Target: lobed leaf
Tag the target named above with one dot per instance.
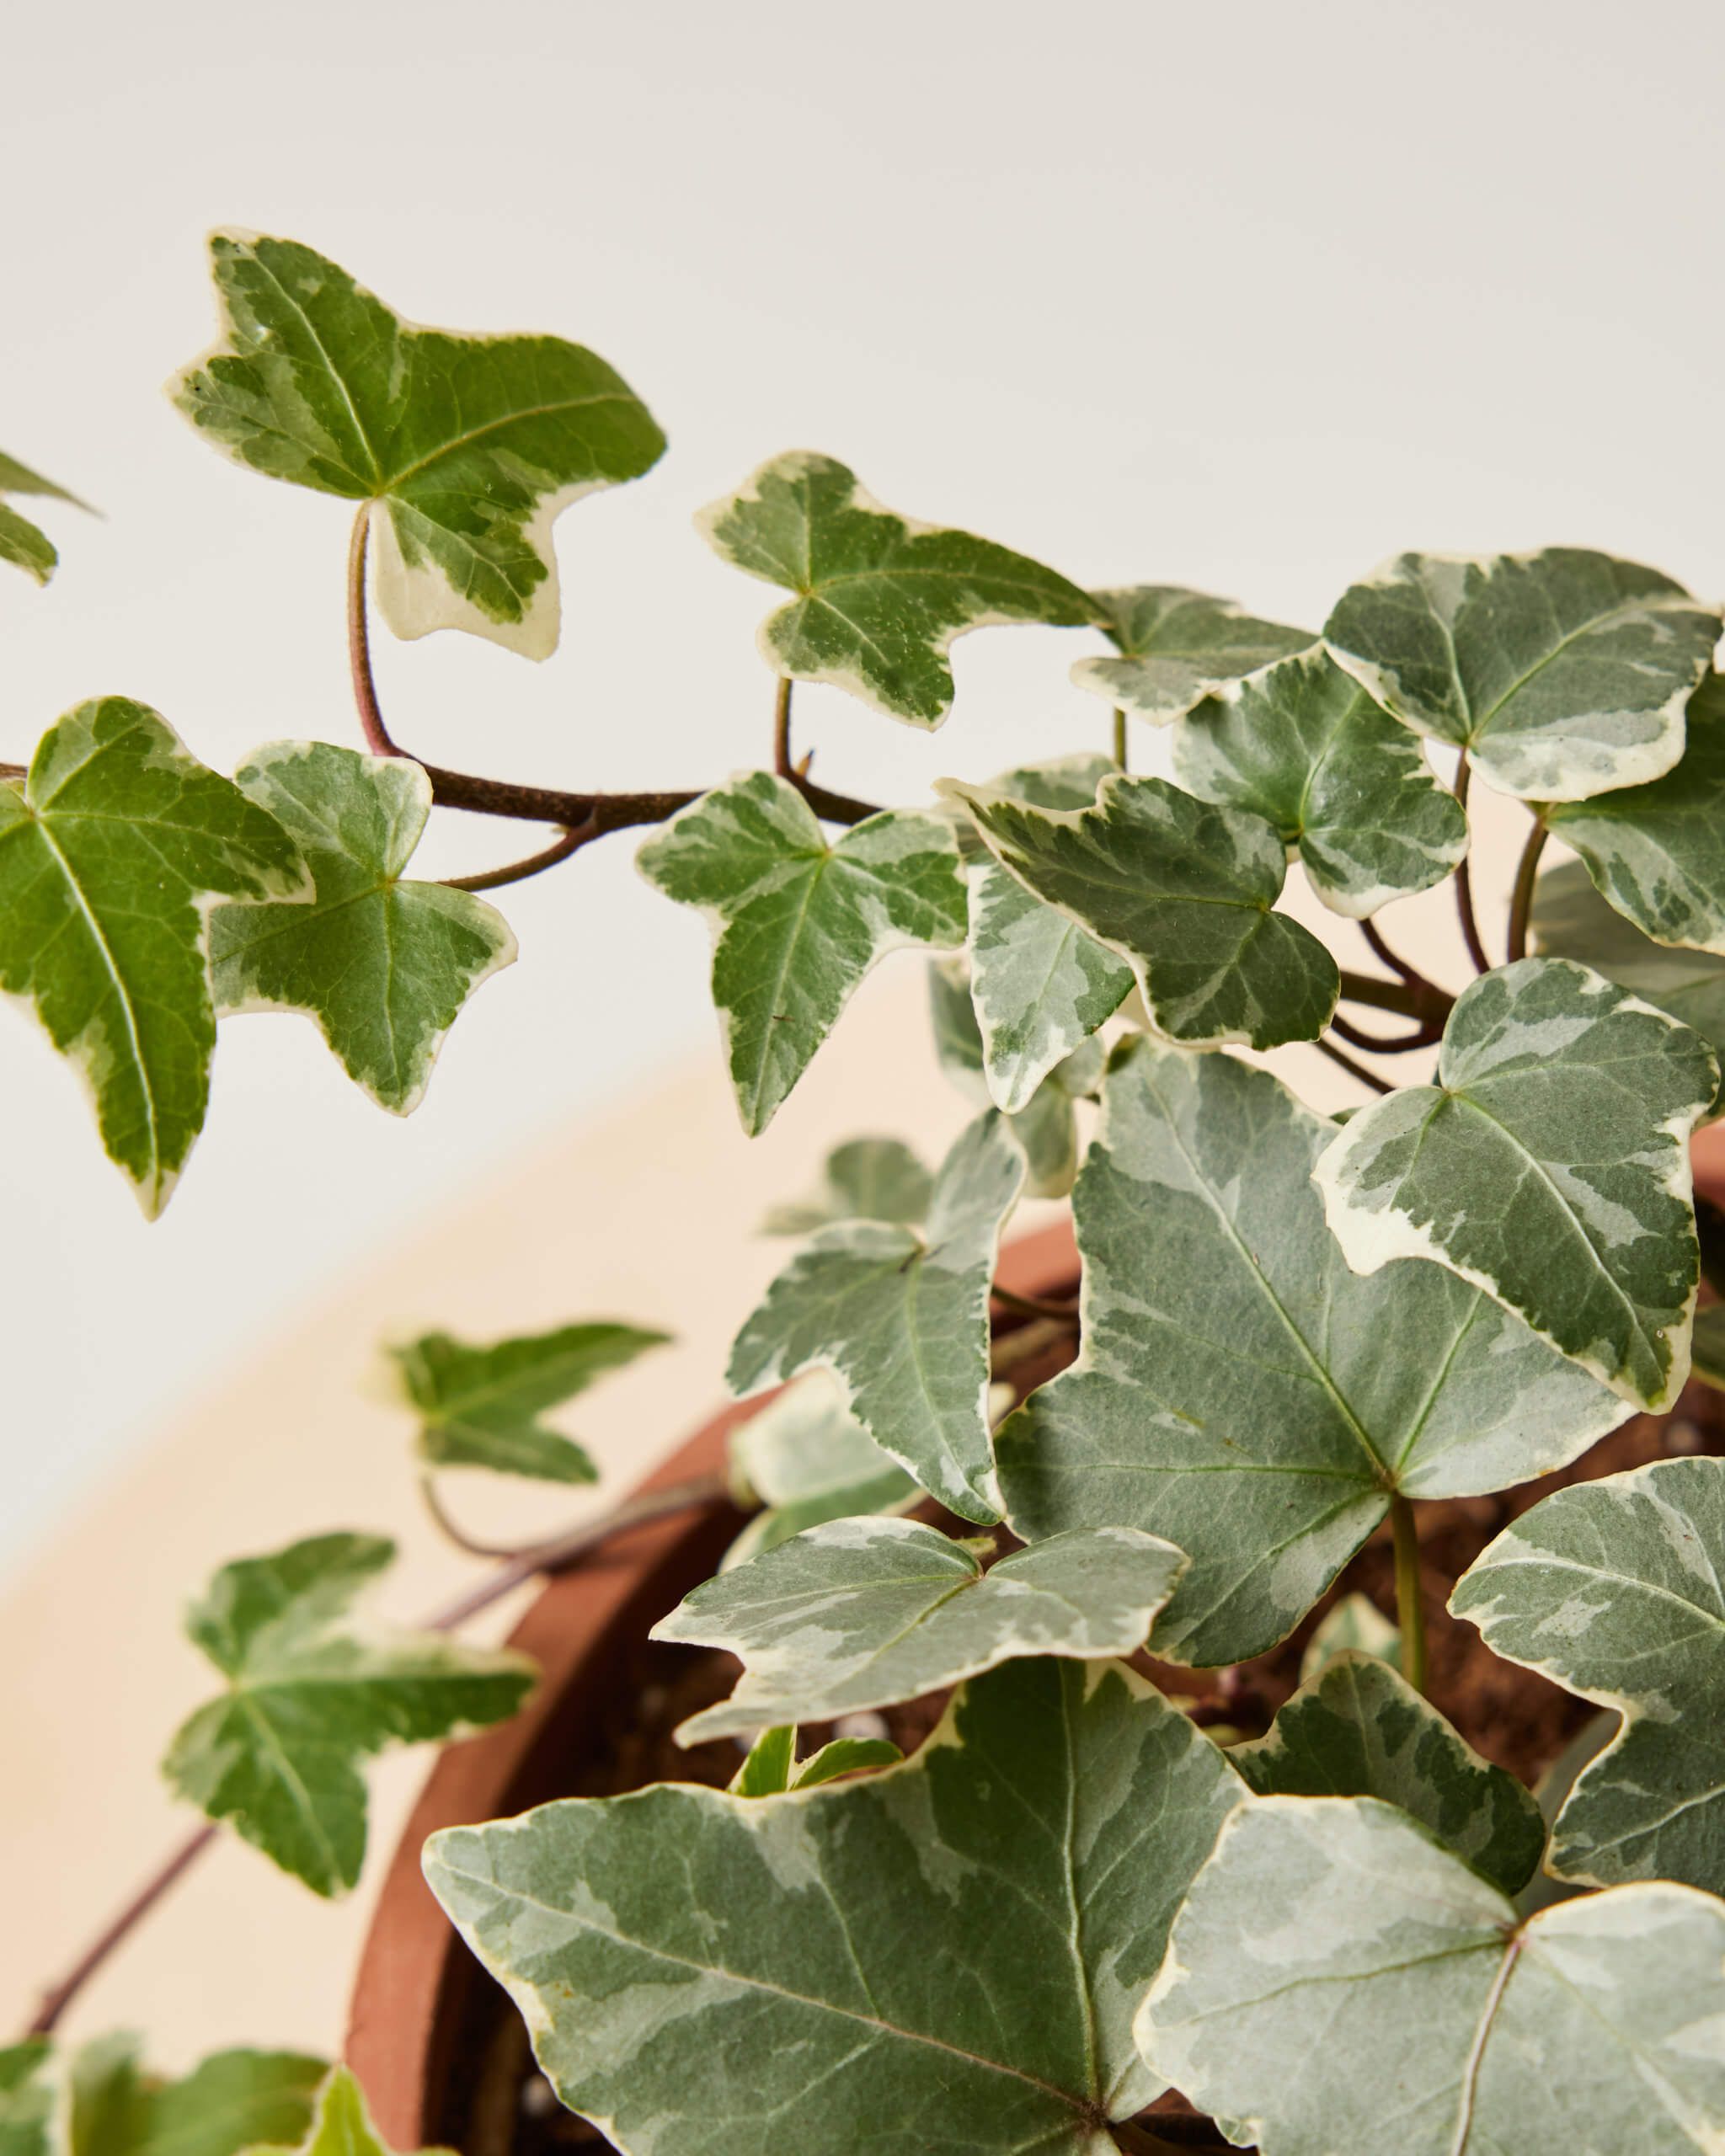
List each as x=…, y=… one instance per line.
x=805, y=1459
x=1046, y=1126
x=467, y=447
x=1177, y=648
x=1562, y=674
x=306, y=1700
x=879, y=598
x=383, y=967
x=340, y=2126
x=1549, y=1167
x=1612, y=1590
x=901, y=1318
x=1002, y=2027
x=112, y=850
x=27, y=2098
x=22, y=543
x=1233, y=1394
x=797, y=923
x=865, y=1613
x=864, y=1179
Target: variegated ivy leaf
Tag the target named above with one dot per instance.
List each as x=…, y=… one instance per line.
x=1303, y=746
x=22, y=543
x=864, y=1179
x=1360, y=1729
x=901, y=1317
x=1570, y=920
x=1177, y=648
x=896, y=1957
x=99, y=2100
x=1234, y=1395
x=797, y=922
x=1562, y=674
x=804, y=1458
x=1339, y=1985
x=308, y=1700
x=1548, y=1165
x=481, y=1406
x=1041, y=983
x=879, y=597
x=771, y=1767
x=1355, y=1625
x=112, y=853
x=1657, y=852
x=233, y=2100
x=467, y=447
x=867, y=1613
x=341, y=2125
x=27, y=2098
x=383, y=967
x=1612, y=1590
x=1181, y=889
x=1046, y=1126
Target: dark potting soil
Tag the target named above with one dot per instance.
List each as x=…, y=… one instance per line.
x=502, y=2106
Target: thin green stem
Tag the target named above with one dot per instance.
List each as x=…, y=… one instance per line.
x=1521, y=897
x=1120, y=739
x=1410, y=1606
x=782, y=729
x=1464, y=879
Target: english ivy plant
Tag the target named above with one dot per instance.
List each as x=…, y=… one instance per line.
x=1083, y=1762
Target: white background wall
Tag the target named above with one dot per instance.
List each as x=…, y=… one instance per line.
x=1243, y=295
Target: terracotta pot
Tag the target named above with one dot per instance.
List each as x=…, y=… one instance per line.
x=419, y=1995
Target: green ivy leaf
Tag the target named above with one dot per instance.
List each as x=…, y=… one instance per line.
x=1182, y=890
x=1046, y=1126
x=1708, y=1346
x=867, y=1613
x=899, y=1951
x=1177, y=648
x=902, y=1318
x=1657, y=852
x=804, y=1458
x=468, y=447
x=1548, y=1165
x=1233, y=1394
x=1360, y=1729
x=481, y=1407
x=771, y=1767
x=1570, y=920
x=1612, y=1590
x=232, y=2100
x=1353, y=1626
x=1303, y=746
x=27, y=2098
x=278, y=1753
x=112, y=853
x=1562, y=674
x=23, y=543
x=879, y=598
x=105, y=2105
x=99, y=2100
x=864, y=1179
x=798, y=923
x=846, y=1755
x=340, y=2126
x=1338, y=1985
x=383, y=967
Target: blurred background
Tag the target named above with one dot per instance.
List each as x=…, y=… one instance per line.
x=1242, y=297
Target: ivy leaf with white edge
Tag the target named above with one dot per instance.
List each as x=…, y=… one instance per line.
x=278, y=1753
x=383, y=967
x=1182, y=891
x=1612, y=1590
x=805, y=1459
x=879, y=597
x=798, y=922
x=340, y=2126
x=232, y=2100
x=1562, y=674
x=868, y=1613
x=480, y=1406
x=1338, y=1984
x=771, y=1767
x=1548, y=1166
x=1232, y=1394
x=1305, y=747
x=1570, y=920
x=901, y=1317
x=1355, y=1625
x=1177, y=647
x=467, y=447
x=1657, y=852
x=27, y=2098
x=1041, y=983
x=864, y=1179
x=1045, y=1128
x=112, y=850
x=899, y=1950
x=1360, y=1729
x=24, y=544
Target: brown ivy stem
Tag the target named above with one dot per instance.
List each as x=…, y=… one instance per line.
x=1380, y=949
x=1521, y=897
x=1032, y=1306
x=59, y=1996
x=1139, y=2141
x=1464, y=879
x=1410, y=1609
x=1380, y=1043
x=1422, y=1000
x=516, y=872
x=1354, y=1070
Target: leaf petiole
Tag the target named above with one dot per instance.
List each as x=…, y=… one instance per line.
x=1521, y=897
x=1410, y=1606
